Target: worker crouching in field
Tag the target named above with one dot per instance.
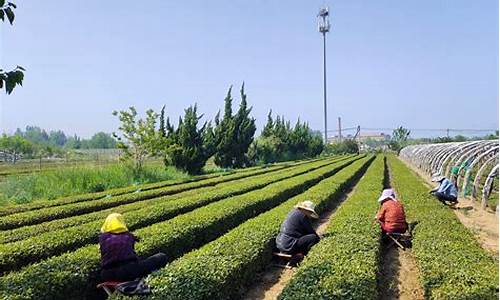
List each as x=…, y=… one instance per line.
x=119, y=262
x=391, y=214
x=297, y=235
x=446, y=191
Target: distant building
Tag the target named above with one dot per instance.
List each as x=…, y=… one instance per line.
x=367, y=136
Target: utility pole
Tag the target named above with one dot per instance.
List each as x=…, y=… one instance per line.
x=340, y=131
x=323, y=28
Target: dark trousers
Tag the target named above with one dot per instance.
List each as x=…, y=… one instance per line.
x=305, y=243
x=135, y=269
x=444, y=197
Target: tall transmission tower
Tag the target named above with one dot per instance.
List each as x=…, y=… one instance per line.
x=323, y=28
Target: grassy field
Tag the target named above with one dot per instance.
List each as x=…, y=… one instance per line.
x=72, y=180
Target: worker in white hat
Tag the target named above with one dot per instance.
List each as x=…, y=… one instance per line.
x=297, y=235
x=391, y=214
x=446, y=191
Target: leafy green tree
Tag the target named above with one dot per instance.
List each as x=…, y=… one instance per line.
x=9, y=79
x=186, y=148
x=57, y=138
x=280, y=142
x=340, y=148
x=16, y=145
x=102, y=140
x=73, y=142
x=399, y=138
x=35, y=135
x=139, y=138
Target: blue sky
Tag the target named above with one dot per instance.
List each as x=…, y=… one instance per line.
x=420, y=64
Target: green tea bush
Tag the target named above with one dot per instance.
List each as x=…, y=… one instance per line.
x=226, y=266
x=20, y=253
x=20, y=233
x=74, y=275
x=72, y=209
x=451, y=262
x=344, y=264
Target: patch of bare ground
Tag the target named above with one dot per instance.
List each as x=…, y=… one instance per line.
x=483, y=223
x=398, y=275
x=273, y=279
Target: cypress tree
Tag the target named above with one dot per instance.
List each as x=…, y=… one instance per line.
x=186, y=149
x=224, y=133
x=269, y=127
x=162, y=130
x=244, y=130
x=234, y=133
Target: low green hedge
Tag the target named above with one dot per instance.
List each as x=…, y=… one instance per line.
x=17, y=254
x=344, y=265
x=12, y=209
x=68, y=210
x=21, y=233
x=452, y=264
x=73, y=275
x=225, y=267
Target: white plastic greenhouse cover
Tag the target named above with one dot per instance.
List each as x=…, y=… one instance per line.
x=472, y=158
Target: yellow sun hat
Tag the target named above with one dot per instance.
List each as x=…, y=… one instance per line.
x=114, y=223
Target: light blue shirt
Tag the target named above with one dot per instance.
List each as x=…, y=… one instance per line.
x=448, y=188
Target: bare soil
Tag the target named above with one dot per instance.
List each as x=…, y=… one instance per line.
x=273, y=280
x=483, y=223
x=398, y=275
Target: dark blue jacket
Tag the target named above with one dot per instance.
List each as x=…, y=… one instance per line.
x=296, y=225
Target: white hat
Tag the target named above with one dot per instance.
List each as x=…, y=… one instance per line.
x=437, y=177
x=387, y=194
x=309, y=206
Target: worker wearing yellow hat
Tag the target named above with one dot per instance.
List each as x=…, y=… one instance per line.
x=119, y=262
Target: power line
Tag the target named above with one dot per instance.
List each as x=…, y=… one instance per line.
x=418, y=129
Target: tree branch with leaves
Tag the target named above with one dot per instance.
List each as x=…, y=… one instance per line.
x=10, y=79
x=139, y=138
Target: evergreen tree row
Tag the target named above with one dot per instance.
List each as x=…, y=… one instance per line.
x=279, y=141
x=230, y=140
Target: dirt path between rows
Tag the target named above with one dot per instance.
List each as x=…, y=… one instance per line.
x=398, y=272
x=273, y=280
x=482, y=223
x=398, y=275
